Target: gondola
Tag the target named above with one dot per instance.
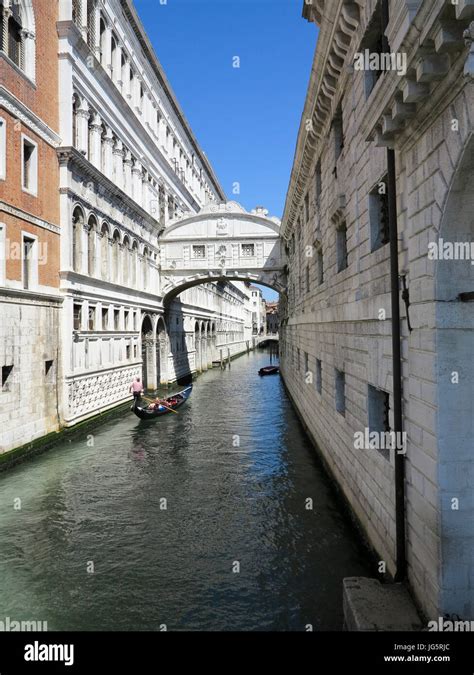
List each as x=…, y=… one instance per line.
x=174, y=401
x=269, y=370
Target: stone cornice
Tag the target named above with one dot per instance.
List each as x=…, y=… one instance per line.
x=132, y=16
x=19, y=110
x=72, y=157
x=338, y=20
x=434, y=45
x=28, y=296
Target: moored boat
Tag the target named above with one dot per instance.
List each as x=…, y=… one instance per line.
x=157, y=409
x=269, y=370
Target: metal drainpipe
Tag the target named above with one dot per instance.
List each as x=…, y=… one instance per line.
x=396, y=342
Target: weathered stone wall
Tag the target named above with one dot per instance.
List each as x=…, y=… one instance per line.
x=345, y=321
x=28, y=340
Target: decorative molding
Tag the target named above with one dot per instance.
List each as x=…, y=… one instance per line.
x=19, y=110
x=28, y=217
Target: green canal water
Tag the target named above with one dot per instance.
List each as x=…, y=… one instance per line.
x=196, y=521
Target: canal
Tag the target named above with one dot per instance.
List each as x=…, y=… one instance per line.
x=196, y=521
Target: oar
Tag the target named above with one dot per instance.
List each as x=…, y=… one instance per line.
x=161, y=403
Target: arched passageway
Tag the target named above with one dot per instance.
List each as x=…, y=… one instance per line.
x=148, y=354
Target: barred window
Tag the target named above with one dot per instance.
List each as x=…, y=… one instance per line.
x=248, y=250
x=199, y=252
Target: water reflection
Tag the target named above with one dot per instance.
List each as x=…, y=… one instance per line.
x=198, y=521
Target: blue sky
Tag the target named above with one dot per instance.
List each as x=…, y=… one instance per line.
x=246, y=119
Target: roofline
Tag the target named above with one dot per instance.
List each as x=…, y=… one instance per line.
x=139, y=29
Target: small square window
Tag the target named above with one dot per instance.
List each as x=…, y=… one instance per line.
x=248, y=250
x=6, y=372
x=199, y=252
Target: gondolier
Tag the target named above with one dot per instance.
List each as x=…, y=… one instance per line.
x=136, y=388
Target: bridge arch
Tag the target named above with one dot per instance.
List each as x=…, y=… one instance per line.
x=223, y=242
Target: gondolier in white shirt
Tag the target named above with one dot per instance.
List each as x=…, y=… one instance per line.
x=136, y=388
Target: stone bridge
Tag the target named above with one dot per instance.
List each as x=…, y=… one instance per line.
x=222, y=243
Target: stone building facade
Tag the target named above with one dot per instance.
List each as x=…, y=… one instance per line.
x=96, y=160
x=336, y=324
x=29, y=221
x=129, y=166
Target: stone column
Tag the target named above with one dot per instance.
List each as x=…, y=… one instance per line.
x=137, y=182
x=81, y=20
x=95, y=140
x=108, y=145
x=7, y=12
x=126, y=79
x=82, y=127
x=106, y=49
x=94, y=41
x=128, y=164
x=117, y=66
x=118, y=154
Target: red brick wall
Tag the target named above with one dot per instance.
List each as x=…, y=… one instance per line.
x=42, y=99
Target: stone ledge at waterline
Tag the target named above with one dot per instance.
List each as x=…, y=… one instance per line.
x=372, y=606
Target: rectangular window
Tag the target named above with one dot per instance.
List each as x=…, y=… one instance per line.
x=378, y=215
x=127, y=352
x=307, y=280
x=298, y=358
x=338, y=133
x=378, y=405
x=319, y=376
x=29, y=166
x=199, y=252
x=77, y=317
x=48, y=368
x=6, y=372
x=135, y=351
x=116, y=319
x=318, y=182
x=306, y=363
x=341, y=246
x=91, y=318
x=373, y=43
x=105, y=318
x=340, y=385
x=306, y=207
x=3, y=149
x=29, y=263
x=320, y=266
x=248, y=250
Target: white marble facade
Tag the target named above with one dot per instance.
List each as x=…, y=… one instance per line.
x=130, y=165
